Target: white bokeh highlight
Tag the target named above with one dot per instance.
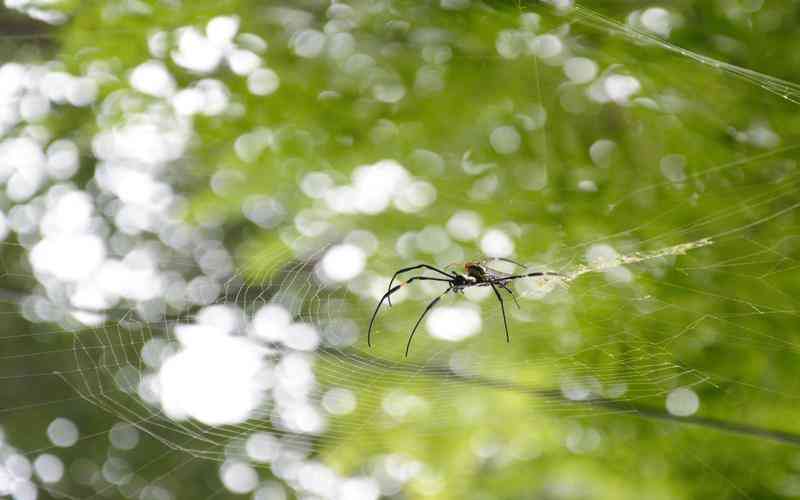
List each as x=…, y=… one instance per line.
x=682, y=402
x=213, y=378
x=453, y=322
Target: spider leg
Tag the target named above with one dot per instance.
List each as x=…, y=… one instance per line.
x=430, y=306
x=389, y=294
x=529, y=275
x=420, y=266
x=377, y=308
x=504, y=286
x=502, y=309
x=504, y=259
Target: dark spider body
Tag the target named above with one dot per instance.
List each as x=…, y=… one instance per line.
x=476, y=271
x=475, y=274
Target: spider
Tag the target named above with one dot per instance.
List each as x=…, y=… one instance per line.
x=476, y=273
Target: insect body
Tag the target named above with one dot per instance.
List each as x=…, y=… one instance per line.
x=475, y=274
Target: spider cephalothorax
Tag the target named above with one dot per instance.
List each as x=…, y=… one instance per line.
x=475, y=274
x=475, y=270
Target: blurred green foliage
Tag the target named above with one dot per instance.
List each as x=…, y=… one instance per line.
x=721, y=320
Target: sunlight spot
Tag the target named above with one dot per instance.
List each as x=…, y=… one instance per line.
x=341, y=45
x=157, y=44
x=222, y=29
x=152, y=78
x=546, y=46
x=116, y=471
x=453, y=323
x=530, y=21
x=316, y=184
x=363, y=239
x=252, y=42
x=215, y=96
x=49, y=468
x=238, y=477
x=302, y=336
x=383, y=131
x=302, y=418
x=601, y=152
x=62, y=159
x=263, y=81
x=226, y=319
x=399, y=404
x=308, y=43
x=196, y=52
x=505, y=140
x=510, y=44
x=429, y=79
x=358, y=488
x=262, y=447
x=582, y=440
x=343, y=262
x=270, y=490
x=601, y=254
x=432, y=239
x=620, y=88
x=760, y=135
x=214, y=378
x=531, y=175
x=465, y=225
x=579, y=389
x=54, y=85
x=271, y=323
x=358, y=64
x=202, y=290
x=68, y=257
x=682, y=402
x=12, y=78
x=62, y=432
x=81, y=91
x=4, y=226
x=155, y=492
x=22, y=490
x=561, y=4
x=249, y=146
x=496, y=243
x=437, y=54
x=415, y=196
x=377, y=184
x=264, y=211
x=24, y=161
x=33, y=107
x=123, y=436
x=88, y=318
x=657, y=20
x=17, y=465
x=68, y=212
x=389, y=92
x=580, y=69
x=454, y=4
x=243, y=62
x=134, y=277
x=619, y=275
x=339, y=401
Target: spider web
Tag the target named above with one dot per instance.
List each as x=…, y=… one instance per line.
x=704, y=272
